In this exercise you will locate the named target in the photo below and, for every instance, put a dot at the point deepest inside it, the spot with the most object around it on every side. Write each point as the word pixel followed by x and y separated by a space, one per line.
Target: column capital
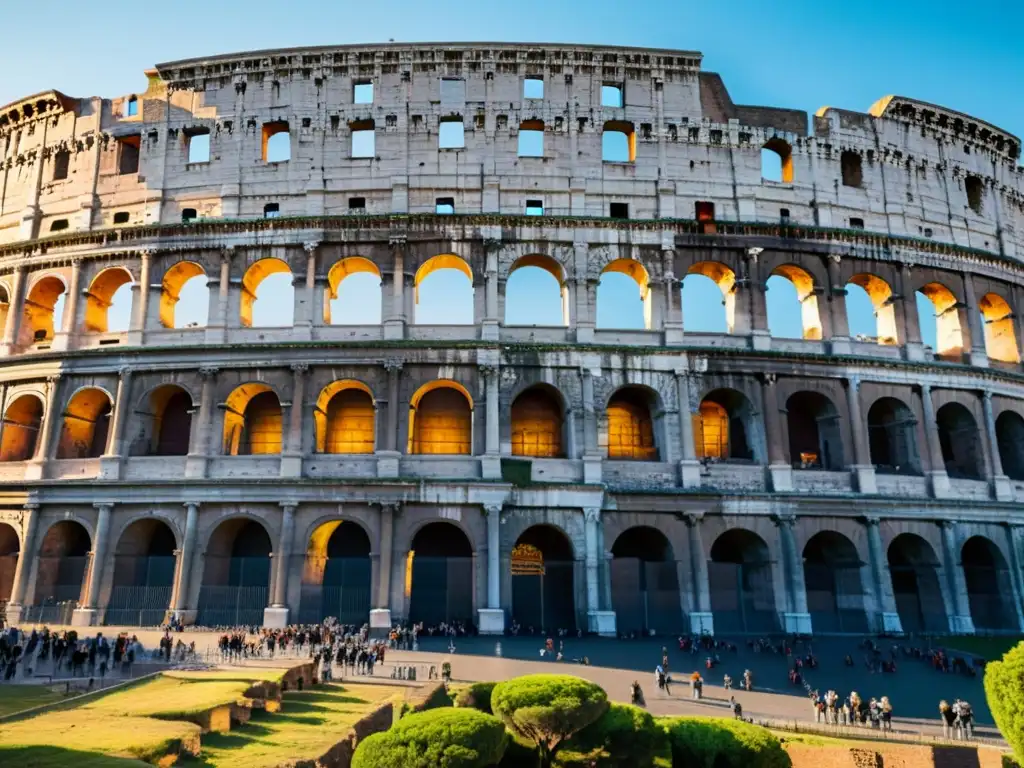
pixel 300 368
pixel 784 519
pixel 209 372
pixel 394 507
pixel 195 504
pixel 310 247
pixel 393 365
pixel 834 258
pixel 493 509
pixel 853 382
pixel 871 521
pixel 946 525
pixel 101 505
pixel 286 505
pixel 753 253
pixel 693 519
pixel 986 395
pixel 227 253
pixel 397 241
pixel 33 505
pixel 592 514
pixel 768 379
pixel 487 369
pixel 53 378
pixel 124 371
pixel 146 253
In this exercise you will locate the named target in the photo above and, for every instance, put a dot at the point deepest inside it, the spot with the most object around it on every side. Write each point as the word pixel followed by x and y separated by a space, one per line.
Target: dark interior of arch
pixel 62 563
pixel 814 437
pixel 9 544
pixel 643 543
pixel 238 555
pixel 958 436
pixel 831 548
pixel 9 547
pixel 349 540
pixel 549 540
pixel 891 441
pixel 144 557
pixel 910 549
pixel 739 409
pixel 989 586
pixel 149 538
pixel 915 584
pixel 65 539
pixel 441 540
pixel 739 546
pixel 834 587
pixel 1010 436
pixel 980 552
pixel 175 425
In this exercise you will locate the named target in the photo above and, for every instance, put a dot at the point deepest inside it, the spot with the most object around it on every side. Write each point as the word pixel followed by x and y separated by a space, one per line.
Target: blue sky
pixel 800 54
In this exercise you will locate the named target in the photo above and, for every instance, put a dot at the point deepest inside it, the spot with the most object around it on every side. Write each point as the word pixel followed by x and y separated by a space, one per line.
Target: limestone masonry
pixel 657 478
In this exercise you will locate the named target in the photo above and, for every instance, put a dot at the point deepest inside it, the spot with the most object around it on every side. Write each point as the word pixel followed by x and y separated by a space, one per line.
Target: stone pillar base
pixel 394 328
pixel 490 467
pixel 585 333
pixel 491 621
pixel 961 625
pixel 291 466
pixel 673 334
pixel 782 477
pixel 85 617
pixel 195 467
pixel 134 338
pixel 14 613
pixel 592 470
pixel 702 623
pixel 760 341
pixel 689 473
pixel 216 334
pixel 914 351
pixel 891 623
pixel 840 345
pixel 34 470
pixel 186 617
pixel 601 623
pixel 380 622
pixel 865 477
pixel 796 623
pixel 110 468
pixel 303 331
pixel 978 359
pixel 939 484
pixel 1003 488
pixel 387 463
pixel 275 617
pixel 489 330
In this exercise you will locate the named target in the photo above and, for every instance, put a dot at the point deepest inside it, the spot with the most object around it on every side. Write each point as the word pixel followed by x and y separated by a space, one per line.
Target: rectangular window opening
pixel 59 225
pixel 611 95
pixel 357 203
pixel 121 217
pixel 362 93
pixel 188 215
pixel 784 215
pixel 534 207
pixel 444 205
pixel 856 223
pixel 533 88
pixel 199 147
pixel 531 139
pixel 451 134
pixel 128 154
pixel 363 139
pixel 61 162
pixel 618 210
pixel 272 210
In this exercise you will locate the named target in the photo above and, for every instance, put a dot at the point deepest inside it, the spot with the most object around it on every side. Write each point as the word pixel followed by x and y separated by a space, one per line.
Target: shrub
pixel 622 737
pixel 548 709
pixel 477 696
pixel 438 738
pixel 426 698
pixel 714 742
pixel 1006 697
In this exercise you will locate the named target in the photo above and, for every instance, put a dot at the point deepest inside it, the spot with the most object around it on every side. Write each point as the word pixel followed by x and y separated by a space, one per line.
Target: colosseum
pixel 806 414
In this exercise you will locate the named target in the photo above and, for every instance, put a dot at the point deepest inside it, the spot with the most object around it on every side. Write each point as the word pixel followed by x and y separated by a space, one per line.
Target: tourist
pixel 727 683
pixel 948 717
pixel 636 695
pixel 748 680
pixel 737 709
pixel 886 713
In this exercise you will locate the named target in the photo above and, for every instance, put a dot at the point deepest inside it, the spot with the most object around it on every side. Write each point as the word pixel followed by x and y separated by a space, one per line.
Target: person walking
pixel 947 718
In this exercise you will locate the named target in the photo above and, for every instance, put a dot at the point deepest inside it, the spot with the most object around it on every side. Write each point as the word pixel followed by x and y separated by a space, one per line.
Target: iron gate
pixel 743 598
pixel 646 596
pixel 442 590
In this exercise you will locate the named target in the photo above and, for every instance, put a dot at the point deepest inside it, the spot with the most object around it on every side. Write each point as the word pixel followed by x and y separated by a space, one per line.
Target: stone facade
pixel 854 484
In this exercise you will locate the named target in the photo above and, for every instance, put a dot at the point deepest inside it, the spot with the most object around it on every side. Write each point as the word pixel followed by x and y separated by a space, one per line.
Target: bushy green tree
pixel 715 742
pixel 438 738
pixel 623 737
pixel 1004 690
pixel 548 709
pixel 477 696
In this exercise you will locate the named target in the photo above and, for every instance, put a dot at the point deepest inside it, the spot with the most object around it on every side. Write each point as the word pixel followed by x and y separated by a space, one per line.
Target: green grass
pixel 167 697
pixel 17 698
pixel 988 648
pixel 252 674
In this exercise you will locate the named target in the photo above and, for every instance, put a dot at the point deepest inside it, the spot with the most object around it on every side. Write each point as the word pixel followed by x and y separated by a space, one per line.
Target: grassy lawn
pixel 16 698
pixel 166 697
pixel 309 723
pixel 988 648
pixel 249 674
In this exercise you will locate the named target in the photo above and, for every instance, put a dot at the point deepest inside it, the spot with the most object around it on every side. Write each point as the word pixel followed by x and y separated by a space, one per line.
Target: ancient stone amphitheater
pixel 687 472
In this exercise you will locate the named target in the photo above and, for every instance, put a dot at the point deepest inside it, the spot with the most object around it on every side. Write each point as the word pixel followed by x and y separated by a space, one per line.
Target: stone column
pixel 291 457
pixel 68 329
pixel 585 290
pixel 218 321
pixel 492 618
pixel 779 468
pixel 975 346
pixel 305 299
pixel 48 430
pixel 389 458
pixel 913 348
pixel 673 316
pixel 182 606
pixel 797 620
pixel 15 310
pixel 937 476
pixel 110 463
pixel 863 468
pixel 397 318
pixel 1015 540
pixel 276 616
pixel 489 327
pixel 689 466
pixel 887 617
pixel 757 323
pixel 702 620
pixel 490 462
pixel 591 452
pixel 958 602
pixel 839 343
pixel 1001 486
pixel 87 615
pixel 599 622
pixel 380 614
pixel 140 305
pixel 26 557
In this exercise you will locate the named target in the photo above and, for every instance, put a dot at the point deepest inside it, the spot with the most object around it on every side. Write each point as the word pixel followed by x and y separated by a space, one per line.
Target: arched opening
pixel 740 579
pixel 268 298
pixel 345 418
pixel 645 584
pixel 792 304
pixel 891 437
pixel 814 437
pixel 336 575
pixel 709 298
pixel 543 581
pixel 10 548
pixel 184 297
pixel 777 161
pixel 439 576
pixel 869 310
pixel 60 572
pixel 143 575
pixel 989 586
pixel 1000 338
pixel 19 432
pixel 441 420
pixel 44 310
pixel 958 437
pixel 835 587
pixel 619 305
pixel 108 302
pixel 353 293
pixel 236 575
pixel 1010 437
pixel 915 585
pixel 444 291
pixel 938 314
pixel 164 423
pixel 252 421
pixel 631 425
pixel 536 293
pixel 5 304
pixel 537 423
pixel 723 428
pixel 86 424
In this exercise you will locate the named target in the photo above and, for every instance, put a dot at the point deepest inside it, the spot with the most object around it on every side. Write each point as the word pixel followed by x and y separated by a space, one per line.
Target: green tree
pixel 548 709
pixel 716 742
pixel 477 696
pixel 1004 690
pixel 437 738
pixel 623 737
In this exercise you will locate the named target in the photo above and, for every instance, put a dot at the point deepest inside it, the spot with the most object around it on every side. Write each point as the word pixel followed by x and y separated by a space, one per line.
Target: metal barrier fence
pixel 835 598
pixel 646 596
pixel 743 598
pixel 919 598
pixel 441 590
pixel 234 592
pixel 141 594
pixel 991 598
pixel 547 601
pixel 338 587
pixel 50 612
pixel 60 579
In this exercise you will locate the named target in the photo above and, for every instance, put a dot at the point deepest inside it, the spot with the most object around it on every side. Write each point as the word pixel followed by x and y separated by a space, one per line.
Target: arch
pixel 1010 438
pixel 282 303
pixel 1000 337
pixel 871 291
pixel 530 298
pixel 740 580
pixel 543 580
pixel 724 428
pixel 356 301
pixel 815 441
pixel 782 314
pixel 630 424
pixel 336 575
pixel 61 567
pixel 439 575
pixel 253 423
pixel 86 425
pixel 777 161
pixel 108 302
pixel 166 423
pixel 645 583
pixel 10 549
pixel 989 586
pixel 834 579
pixel 701 302
pixel 236 574
pixel 915 584
pixel 5 304
pixel 345 416
pixel 143 578
pixel 441 419
pixel 537 423
pixel 942 327
pixel 613 300
pixel 960 442
pixel 447 300
pixel 184 296
pixel 44 309
pixel 892 437
pixel 19 432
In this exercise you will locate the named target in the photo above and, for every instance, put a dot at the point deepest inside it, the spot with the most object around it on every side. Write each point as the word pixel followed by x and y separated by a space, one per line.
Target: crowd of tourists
pixel 55 654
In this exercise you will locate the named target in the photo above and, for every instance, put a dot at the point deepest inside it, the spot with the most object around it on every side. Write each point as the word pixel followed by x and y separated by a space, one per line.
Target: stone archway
pixel 61 568
pixel 543 581
pixel 645 583
pixel 740 579
pixel 835 588
pixel 989 586
pixel 143 579
pixel 236 575
pixel 10 548
pixel 336 574
pixel 439 576
pixel 915 584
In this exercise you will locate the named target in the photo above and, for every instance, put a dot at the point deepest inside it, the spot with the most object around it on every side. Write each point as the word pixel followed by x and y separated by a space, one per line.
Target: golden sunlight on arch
pixel 810 319
pixel 86 425
pixel 880 294
pixel 345 417
pixel 537 423
pixel 440 296
pixel 441 419
pixel 1000 338
pixel 636 272
pixel 342 269
pixel 251 281
pixel 252 421
pixel 171 287
pixel 19 433
pixel 631 426
pixel 529 299
pixel 100 298
pixel 40 322
pixel 723 277
pixel 949 339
